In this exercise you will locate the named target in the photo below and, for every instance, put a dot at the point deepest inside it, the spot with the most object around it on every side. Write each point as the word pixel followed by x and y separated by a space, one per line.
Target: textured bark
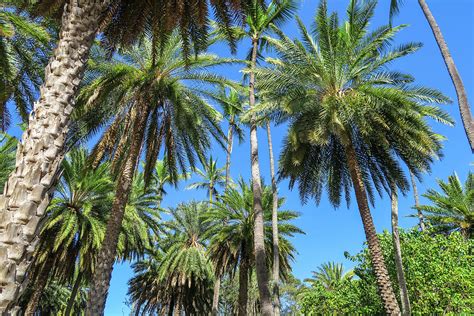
pixel 421 220
pixel 384 285
pixel 464 108
pixel 72 298
pixel 276 247
pixel 243 287
pixel 39 285
pixel 402 283
pixel 25 196
pixel 215 296
pixel 106 257
pixel 259 237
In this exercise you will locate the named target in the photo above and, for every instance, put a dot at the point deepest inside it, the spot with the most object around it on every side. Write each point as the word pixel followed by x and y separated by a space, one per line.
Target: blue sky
pixel 330 232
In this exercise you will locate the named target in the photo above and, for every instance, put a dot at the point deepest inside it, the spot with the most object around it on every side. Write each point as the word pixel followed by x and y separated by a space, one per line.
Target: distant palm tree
pixel 162 177
pixel 330 275
pixel 155 103
pixel 7 156
pixel 464 107
pixel 211 176
pixel 24 52
pixel 453 207
pixel 231 244
pixel 179 277
pixel 351 118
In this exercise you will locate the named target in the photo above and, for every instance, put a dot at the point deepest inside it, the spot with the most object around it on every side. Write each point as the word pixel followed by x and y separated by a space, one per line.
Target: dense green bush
pixel 439 271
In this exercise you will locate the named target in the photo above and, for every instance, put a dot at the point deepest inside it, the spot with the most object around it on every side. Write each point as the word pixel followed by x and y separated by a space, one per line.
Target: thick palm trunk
pixel 72 298
pixel 259 237
pixel 402 283
pixel 217 283
pixel 464 107
pixel 25 197
pixel 39 285
pixel 106 257
pixel 276 247
pixel 243 288
pixel 384 285
pixel 421 220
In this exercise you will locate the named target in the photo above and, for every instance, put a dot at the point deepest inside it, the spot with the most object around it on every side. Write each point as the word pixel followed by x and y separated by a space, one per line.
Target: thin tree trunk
pixel 402 283
pixel 217 283
pixel 72 298
pixel 464 107
pixel 259 237
pixel 389 300
pixel 276 247
pixel 39 285
pixel 421 220
pixel 106 257
pixel 243 288
pixel 25 197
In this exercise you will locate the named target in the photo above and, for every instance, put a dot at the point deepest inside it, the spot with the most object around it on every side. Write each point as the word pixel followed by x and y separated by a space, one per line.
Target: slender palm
pixel 351 119
pixel 7 156
pixel 24 53
pixel 181 275
pixel 259 17
pixel 464 107
pixel 41 153
pixel 452 209
pixel 151 109
pixel 421 220
pixel 211 176
pixel 330 275
pixel 231 245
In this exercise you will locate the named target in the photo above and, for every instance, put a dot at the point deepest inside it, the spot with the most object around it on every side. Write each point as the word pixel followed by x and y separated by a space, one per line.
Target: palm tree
pixel 212 177
pixel 259 18
pixel 42 148
pixel 231 244
pixel 162 177
pixel 453 207
pixel 7 156
pixel 421 220
pixel 464 107
pixel 144 96
pixel 330 275
pixel 179 276
pixel 351 119
pixel 24 52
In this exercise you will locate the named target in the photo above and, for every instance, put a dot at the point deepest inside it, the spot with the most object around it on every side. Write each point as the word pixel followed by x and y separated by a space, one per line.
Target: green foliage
pixel 453 207
pixel 212 177
pixel 438 270
pixel 7 157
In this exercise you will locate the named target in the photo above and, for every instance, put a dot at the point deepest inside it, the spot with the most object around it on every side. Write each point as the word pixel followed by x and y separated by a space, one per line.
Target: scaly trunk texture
pixel 402 283
pixel 39 286
pixel 25 196
pixel 421 220
pixel 464 107
pixel 72 298
pixel 276 247
pixel 389 300
pixel 106 257
pixel 259 237
pixel 217 283
pixel 243 288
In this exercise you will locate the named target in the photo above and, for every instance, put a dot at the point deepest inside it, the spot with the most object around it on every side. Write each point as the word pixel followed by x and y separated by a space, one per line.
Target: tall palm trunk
pixel 106 257
pixel 39 285
pixel 421 220
pixel 276 247
pixel 25 197
pixel 259 237
pixel 402 283
pixel 464 107
pixel 243 287
pixel 217 283
pixel 72 298
pixel 384 285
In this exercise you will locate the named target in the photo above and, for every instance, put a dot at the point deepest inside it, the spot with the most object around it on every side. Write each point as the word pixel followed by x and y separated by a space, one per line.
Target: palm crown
pixel 453 207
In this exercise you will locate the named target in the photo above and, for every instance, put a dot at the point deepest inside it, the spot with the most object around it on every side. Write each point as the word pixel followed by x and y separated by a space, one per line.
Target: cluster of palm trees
pixel 144 91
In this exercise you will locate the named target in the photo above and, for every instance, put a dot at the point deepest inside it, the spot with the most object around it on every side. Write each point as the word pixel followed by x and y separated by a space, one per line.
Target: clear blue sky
pixel 329 231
